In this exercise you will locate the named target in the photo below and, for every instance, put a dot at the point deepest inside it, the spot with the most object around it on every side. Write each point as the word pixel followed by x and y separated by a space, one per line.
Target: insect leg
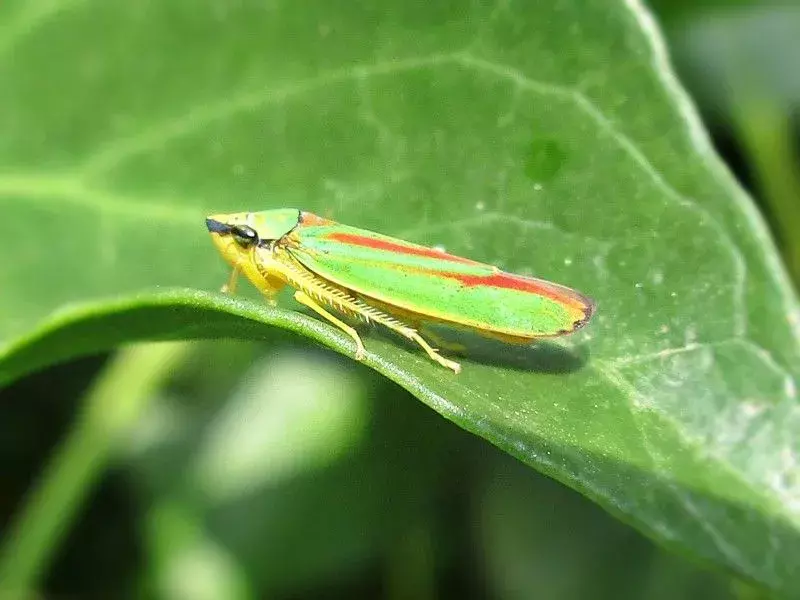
pixel 230 285
pixel 302 298
pixel 412 334
pixel 340 299
pixel 270 286
pixel 433 353
pixel 443 343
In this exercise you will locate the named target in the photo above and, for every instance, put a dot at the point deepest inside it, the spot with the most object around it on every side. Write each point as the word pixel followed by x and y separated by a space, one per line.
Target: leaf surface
pixel 546 138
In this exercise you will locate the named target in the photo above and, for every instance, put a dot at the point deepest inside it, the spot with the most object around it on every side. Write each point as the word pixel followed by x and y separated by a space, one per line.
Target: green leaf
pixel 547 138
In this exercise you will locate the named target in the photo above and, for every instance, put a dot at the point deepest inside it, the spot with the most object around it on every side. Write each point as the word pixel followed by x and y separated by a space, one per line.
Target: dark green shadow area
pixel 543 356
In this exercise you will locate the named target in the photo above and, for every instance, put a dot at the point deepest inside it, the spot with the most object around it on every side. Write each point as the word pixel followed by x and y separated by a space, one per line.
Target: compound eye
pixel 245 236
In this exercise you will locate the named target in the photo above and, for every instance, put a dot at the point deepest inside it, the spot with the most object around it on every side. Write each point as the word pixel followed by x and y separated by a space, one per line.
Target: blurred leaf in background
pixel 740 60
pixel 546 138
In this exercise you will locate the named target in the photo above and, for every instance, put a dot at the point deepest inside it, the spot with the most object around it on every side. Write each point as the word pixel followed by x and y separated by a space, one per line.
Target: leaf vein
pixel 197 117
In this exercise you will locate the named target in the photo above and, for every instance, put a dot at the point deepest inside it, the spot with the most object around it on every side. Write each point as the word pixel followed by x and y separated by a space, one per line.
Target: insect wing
pixel 436 285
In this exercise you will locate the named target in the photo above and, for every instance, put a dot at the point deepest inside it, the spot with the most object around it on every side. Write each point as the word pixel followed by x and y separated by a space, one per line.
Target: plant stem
pixel 765 131
pixel 112 405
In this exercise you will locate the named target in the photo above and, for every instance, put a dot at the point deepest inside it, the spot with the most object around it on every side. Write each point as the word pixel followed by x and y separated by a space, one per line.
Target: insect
pixel 335 268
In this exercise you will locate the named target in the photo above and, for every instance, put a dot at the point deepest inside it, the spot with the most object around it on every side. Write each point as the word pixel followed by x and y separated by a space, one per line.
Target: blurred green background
pixel 217 491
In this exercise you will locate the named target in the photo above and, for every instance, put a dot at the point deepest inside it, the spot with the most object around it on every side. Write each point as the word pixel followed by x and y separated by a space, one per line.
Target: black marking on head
pixel 244 235
pixel 217 227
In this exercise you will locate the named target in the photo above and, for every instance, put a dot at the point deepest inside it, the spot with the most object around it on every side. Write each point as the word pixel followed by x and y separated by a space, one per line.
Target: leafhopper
pixel 338 269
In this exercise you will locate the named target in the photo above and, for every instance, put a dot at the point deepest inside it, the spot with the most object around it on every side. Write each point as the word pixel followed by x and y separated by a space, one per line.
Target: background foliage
pixel 547 138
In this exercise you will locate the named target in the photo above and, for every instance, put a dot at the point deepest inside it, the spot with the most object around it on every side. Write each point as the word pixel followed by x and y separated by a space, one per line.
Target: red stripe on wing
pixel 509 281
pixel 399 248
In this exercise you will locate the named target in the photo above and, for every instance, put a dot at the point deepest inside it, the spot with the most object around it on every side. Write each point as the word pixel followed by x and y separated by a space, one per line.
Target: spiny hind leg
pixel 437 339
pixel 404 323
pixel 433 353
pixel 306 300
pixel 410 333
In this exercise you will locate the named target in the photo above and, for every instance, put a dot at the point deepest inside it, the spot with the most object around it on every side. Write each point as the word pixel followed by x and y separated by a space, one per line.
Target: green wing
pixel 438 285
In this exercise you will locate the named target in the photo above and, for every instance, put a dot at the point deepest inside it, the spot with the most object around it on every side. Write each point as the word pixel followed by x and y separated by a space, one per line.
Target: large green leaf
pixel 545 137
